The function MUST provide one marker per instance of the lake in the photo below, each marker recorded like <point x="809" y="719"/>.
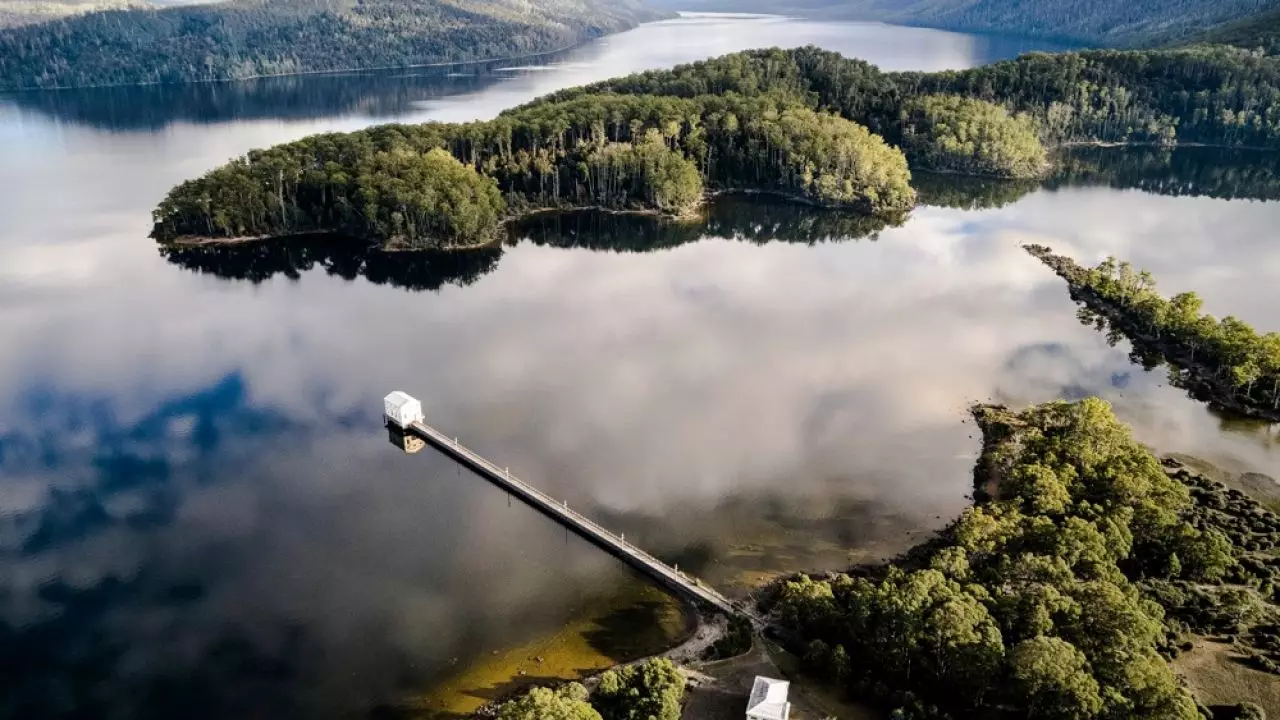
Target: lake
<point x="201" y="515"/>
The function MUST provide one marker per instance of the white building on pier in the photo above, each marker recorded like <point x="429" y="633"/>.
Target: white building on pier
<point x="402" y="409"/>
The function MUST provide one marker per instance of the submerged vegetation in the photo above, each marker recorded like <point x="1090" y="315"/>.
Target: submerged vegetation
<point x="1225" y="361"/>
<point x="806" y="123"/>
<point x="1061" y="594"/>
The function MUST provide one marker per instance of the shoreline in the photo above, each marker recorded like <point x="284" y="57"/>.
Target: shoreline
<point x="391" y="246"/>
<point x="335" y="71"/>
<point x="702" y="630"/>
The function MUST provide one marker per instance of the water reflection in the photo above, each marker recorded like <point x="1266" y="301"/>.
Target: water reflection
<point x="479" y="90"/>
<point x="341" y="257"/>
<point x="756" y="220"/>
<point x="1186" y="172"/>
<point x="1176" y="172"/>
<point x="377" y="94"/>
<point x="165" y="565"/>
<point x="201" y="515"/>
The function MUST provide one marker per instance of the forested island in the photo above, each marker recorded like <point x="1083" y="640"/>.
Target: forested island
<point x="238" y="39"/>
<point x="806" y="123"/>
<point x="454" y="185"/>
<point x="1224" y="361"/>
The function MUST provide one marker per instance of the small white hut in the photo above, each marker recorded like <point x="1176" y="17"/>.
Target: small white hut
<point x="402" y="409"/>
<point x="769" y="700"/>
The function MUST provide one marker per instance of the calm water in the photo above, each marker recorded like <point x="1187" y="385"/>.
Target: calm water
<point x="200" y="515"/>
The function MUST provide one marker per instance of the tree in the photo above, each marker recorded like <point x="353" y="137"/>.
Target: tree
<point x="1052" y="679"/>
<point x="568" y="703"/>
<point x="649" y="691"/>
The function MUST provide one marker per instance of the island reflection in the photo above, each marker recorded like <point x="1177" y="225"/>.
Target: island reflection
<point x="757" y="219"/>
<point x="754" y="219"/>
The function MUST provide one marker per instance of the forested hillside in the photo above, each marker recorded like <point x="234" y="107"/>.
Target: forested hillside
<point x="246" y="38"/>
<point x="1213" y="95"/>
<point x="25" y="12"/>
<point x="1260" y="31"/>
<point x="1094" y="22"/>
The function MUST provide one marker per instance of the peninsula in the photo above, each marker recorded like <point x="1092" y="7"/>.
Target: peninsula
<point x="1225" y="362"/>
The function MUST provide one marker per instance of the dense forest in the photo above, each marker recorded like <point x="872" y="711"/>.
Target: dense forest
<point x="1095" y="22"/>
<point x="805" y="122"/>
<point x="248" y="38"/>
<point x="1213" y="95"/>
<point x="949" y="133"/>
<point x="26" y="12"/>
<point x="1225" y="359"/>
<point x="1062" y="594"/>
<point x="608" y="151"/>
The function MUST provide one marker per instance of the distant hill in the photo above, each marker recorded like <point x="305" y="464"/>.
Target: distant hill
<point x="247" y="38"/>
<point x="1261" y="31"/>
<point x="25" y="12"/>
<point x="1112" y="23"/>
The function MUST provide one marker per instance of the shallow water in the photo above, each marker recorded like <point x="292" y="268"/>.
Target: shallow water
<point x="201" y="516"/>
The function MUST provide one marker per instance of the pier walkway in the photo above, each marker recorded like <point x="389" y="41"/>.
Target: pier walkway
<point x="665" y="575"/>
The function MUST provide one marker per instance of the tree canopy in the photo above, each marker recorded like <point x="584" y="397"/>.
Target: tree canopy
<point x="965" y="135"/>
<point x="1032" y="601"/>
<point x="609" y="151"/>
<point x="1225" y="358"/>
<point x="566" y="703"/>
<point x="651" y="690"/>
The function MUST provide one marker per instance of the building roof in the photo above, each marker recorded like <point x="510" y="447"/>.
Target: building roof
<point x="768" y="699"/>
<point x="398" y="399"/>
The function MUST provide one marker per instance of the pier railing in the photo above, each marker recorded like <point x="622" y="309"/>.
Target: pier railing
<point x="583" y="525"/>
